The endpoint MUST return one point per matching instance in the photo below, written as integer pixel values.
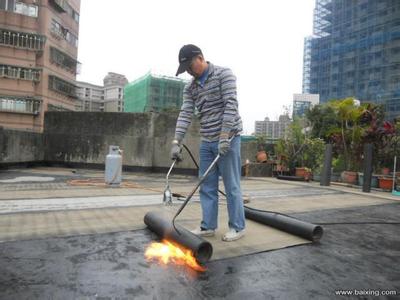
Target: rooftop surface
(64, 235)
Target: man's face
(196, 66)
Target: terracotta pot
(385, 171)
(261, 156)
(349, 177)
(385, 183)
(303, 172)
(300, 172)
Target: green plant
(291, 146)
(261, 142)
(350, 130)
(313, 154)
(338, 164)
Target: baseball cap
(186, 54)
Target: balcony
(64, 61)
(63, 6)
(59, 32)
(18, 7)
(59, 5)
(63, 87)
(22, 40)
(20, 104)
(22, 73)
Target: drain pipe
(202, 249)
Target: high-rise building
(38, 60)
(355, 52)
(90, 97)
(272, 129)
(114, 92)
(154, 93)
(303, 102)
(107, 98)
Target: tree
(348, 115)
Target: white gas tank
(113, 173)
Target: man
(212, 91)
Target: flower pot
(360, 179)
(374, 180)
(303, 172)
(261, 156)
(386, 183)
(349, 177)
(300, 172)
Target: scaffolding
(153, 93)
(355, 51)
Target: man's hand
(223, 146)
(176, 150)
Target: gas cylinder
(113, 172)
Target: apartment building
(107, 98)
(272, 129)
(38, 60)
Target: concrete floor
(361, 258)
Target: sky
(260, 40)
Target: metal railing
(16, 72)
(27, 105)
(64, 60)
(22, 40)
(61, 86)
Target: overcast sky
(260, 40)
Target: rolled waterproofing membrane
(285, 223)
(202, 249)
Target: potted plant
(292, 146)
(348, 136)
(303, 172)
(261, 155)
(313, 156)
(385, 182)
(337, 168)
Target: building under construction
(153, 93)
(355, 51)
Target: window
(61, 32)
(29, 10)
(7, 5)
(28, 105)
(16, 72)
(61, 86)
(63, 6)
(71, 38)
(24, 40)
(56, 28)
(75, 16)
(52, 107)
(63, 60)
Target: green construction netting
(153, 93)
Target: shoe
(232, 235)
(203, 232)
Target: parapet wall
(83, 138)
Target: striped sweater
(216, 105)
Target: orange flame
(167, 252)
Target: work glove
(176, 150)
(223, 146)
